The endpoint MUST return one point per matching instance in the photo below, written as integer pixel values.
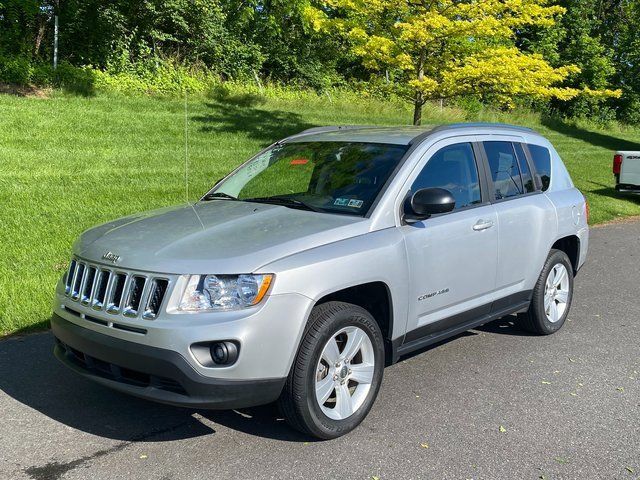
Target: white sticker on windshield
(355, 203)
(341, 202)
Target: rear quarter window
(527, 179)
(542, 160)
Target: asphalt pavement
(493, 403)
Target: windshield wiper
(214, 195)
(285, 202)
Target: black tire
(535, 320)
(298, 402)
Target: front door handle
(483, 225)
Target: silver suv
(325, 257)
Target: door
(452, 256)
(526, 221)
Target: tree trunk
(419, 99)
(40, 36)
(417, 109)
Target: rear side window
(454, 169)
(542, 160)
(504, 169)
(527, 179)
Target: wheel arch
(571, 246)
(375, 297)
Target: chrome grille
(134, 295)
(77, 280)
(158, 290)
(100, 292)
(87, 285)
(115, 291)
(70, 275)
(114, 297)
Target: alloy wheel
(344, 373)
(556, 293)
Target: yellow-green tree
(447, 48)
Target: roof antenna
(186, 159)
(186, 148)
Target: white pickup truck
(626, 168)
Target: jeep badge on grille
(111, 257)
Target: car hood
(219, 236)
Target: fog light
(217, 353)
(224, 353)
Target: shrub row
(167, 78)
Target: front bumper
(153, 373)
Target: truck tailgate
(630, 169)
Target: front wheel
(337, 373)
(552, 295)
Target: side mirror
(426, 202)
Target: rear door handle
(483, 225)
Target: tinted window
(542, 160)
(504, 170)
(527, 180)
(337, 177)
(452, 168)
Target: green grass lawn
(70, 162)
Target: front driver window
(454, 169)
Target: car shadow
(240, 114)
(594, 138)
(266, 421)
(613, 193)
(263, 421)
(509, 325)
(30, 374)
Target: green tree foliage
(448, 48)
(293, 51)
(567, 56)
(124, 35)
(578, 38)
(601, 37)
(23, 25)
(624, 38)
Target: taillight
(617, 164)
(586, 209)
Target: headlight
(224, 292)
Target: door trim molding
(429, 334)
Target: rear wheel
(337, 372)
(552, 295)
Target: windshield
(336, 177)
